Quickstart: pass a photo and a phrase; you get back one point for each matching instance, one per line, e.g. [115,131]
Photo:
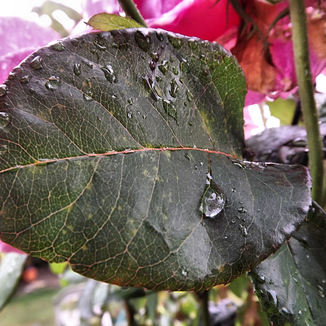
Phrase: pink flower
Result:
[206,19]
[5,248]
[19,38]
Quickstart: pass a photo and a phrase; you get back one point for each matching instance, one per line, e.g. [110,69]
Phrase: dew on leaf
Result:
[176,42]
[4,119]
[155,56]
[109,73]
[170,109]
[77,69]
[143,41]
[243,230]
[129,115]
[174,88]
[242,210]
[36,63]
[58,47]
[213,201]
[3,90]
[25,79]
[53,83]
[164,67]
[88,96]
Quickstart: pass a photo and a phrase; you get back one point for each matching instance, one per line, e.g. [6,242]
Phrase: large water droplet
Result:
[143,41]
[77,69]
[53,83]
[3,89]
[109,73]
[213,201]
[170,109]
[4,119]
[176,42]
[58,47]
[36,63]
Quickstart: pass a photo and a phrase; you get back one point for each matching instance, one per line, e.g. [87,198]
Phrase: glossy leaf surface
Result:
[119,155]
[292,282]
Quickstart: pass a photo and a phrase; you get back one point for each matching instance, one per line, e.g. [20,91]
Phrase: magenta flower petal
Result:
[206,19]
[19,38]
[5,248]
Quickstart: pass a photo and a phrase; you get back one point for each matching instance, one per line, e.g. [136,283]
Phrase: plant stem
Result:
[306,92]
[204,311]
[131,10]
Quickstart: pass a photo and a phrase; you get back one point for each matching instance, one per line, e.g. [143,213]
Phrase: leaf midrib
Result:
[126,151]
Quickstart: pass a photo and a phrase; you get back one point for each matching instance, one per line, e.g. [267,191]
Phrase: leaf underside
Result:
[292,283]
[106,143]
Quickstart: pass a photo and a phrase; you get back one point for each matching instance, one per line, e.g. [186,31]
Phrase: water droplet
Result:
[233,190]
[176,42]
[213,201]
[187,156]
[323,281]
[285,311]
[242,210]
[170,109]
[175,70]
[193,44]
[4,119]
[53,83]
[130,101]
[189,96]
[99,45]
[155,56]
[238,164]
[88,96]
[152,65]
[174,88]
[25,79]
[226,237]
[77,69]
[143,41]
[58,47]
[36,63]
[164,67]
[299,312]
[273,296]
[129,114]
[160,37]
[184,273]
[243,230]
[3,89]
[109,73]
[233,221]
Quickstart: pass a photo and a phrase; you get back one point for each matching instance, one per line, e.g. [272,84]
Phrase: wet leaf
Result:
[108,168]
[292,283]
[109,22]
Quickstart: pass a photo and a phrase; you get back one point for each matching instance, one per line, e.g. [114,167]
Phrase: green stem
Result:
[204,304]
[131,10]
[306,92]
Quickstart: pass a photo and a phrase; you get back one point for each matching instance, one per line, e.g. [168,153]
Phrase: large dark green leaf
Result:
[113,145]
[292,282]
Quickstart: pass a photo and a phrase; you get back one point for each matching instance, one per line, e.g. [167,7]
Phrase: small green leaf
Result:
[11,268]
[109,22]
[291,284]
[58,268]
[283,110]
